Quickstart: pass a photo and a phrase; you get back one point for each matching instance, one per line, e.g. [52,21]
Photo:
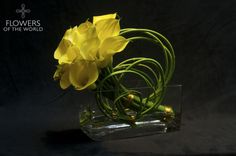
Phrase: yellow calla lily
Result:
[113,45]
[107,28]
[83,74]
[62,73]
[102,17]
[109,47]
[62,48]
[75,39]
[85,31]
[65,82]
[69,56]
[88,48]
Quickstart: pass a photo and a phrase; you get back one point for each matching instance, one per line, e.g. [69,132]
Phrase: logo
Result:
[23,10]
[23,25]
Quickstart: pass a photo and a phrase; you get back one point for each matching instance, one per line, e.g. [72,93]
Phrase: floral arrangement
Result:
[85,61]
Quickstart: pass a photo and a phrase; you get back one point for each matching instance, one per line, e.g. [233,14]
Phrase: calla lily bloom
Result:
[85,49]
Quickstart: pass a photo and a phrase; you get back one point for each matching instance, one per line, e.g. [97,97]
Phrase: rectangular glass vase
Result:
[99,127]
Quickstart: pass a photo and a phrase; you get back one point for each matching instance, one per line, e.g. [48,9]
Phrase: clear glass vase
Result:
[96,125]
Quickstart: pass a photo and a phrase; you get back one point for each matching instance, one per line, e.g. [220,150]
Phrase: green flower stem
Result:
[158,39]
[160,108]
[120,103]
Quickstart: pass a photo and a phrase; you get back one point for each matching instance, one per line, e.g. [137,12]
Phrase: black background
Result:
[38,118]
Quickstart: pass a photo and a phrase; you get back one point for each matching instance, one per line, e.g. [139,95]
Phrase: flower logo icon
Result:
[23,11]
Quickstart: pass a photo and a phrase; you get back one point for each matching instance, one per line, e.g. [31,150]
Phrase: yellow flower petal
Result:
[57,74]
[62,48]
[77,35]
[107,28]
[74,36]
[85,32]
[102,17]
[83,37]
[113,45]
[71,35]
[62,73]
[84,27]
[65,82]
[83,74]
[89,49]
[69,56]
[109,47]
